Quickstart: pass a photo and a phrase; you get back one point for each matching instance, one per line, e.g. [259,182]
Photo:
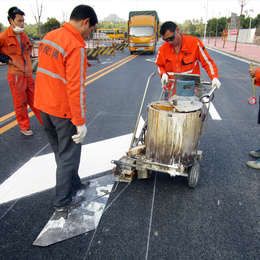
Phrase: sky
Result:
[168,10]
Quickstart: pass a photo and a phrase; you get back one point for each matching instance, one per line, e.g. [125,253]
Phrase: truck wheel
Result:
[193,175]
[131,52]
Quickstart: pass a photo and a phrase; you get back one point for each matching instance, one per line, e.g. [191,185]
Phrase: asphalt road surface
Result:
[156,218]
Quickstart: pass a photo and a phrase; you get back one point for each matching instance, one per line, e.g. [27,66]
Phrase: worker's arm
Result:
[76,68]
[159,62]
[206,62]
[256,74]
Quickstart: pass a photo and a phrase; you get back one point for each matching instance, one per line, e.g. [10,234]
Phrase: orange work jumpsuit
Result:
[257,83]
[19,75]
[60,96]
[186,61]
[58,92]
[257,77]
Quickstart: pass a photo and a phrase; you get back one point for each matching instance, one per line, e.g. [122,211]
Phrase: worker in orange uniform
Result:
[255,73]
[182,54]
[16,49]
[60,97]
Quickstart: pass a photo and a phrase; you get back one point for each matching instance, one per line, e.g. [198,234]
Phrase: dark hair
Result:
[171,26]
[82,12]
[13,11]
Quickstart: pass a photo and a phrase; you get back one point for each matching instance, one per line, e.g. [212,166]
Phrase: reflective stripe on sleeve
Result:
[51,74]
[206,59]
[56,46]
[184,72]
[82,80]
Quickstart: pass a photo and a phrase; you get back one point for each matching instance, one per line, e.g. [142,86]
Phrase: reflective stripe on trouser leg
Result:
[18,89]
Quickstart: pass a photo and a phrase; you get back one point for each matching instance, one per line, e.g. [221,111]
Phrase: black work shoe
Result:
[82,186]
[76,201]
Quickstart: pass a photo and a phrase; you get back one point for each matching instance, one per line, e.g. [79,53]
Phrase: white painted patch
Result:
[151,60]
[38,174]
[213,112]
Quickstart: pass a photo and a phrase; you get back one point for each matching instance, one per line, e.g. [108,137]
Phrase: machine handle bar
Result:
[140,111]
[207,95]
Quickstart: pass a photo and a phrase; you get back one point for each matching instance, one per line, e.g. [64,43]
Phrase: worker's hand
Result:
[216,82]
[253,71]
[81,133]
[164,80]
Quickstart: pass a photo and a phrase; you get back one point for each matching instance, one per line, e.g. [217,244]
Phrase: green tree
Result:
[222,24]
[256,21]
[51,24]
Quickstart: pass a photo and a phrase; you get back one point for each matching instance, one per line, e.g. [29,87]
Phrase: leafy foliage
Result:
[112,24]
[193,27]
[51,24]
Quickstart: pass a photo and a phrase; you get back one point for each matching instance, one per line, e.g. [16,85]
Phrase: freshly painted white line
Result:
[213,112]
[151,60]
[38,174]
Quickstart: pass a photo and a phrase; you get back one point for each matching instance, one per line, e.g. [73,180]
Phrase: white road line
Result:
[213,112]
[151,218]
[38,174]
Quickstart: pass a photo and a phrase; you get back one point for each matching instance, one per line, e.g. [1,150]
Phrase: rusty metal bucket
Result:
[172,136]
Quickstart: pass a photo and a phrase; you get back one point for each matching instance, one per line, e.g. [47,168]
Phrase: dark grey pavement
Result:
[161,217]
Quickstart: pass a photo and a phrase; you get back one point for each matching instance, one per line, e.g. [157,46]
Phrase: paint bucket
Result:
[172,136]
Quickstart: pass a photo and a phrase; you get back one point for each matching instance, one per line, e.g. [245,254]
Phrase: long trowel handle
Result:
[252,100]
[140,111]
[251,66]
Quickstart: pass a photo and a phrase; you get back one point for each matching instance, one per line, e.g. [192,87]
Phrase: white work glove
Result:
[164,80]
[81,133]
[216,82]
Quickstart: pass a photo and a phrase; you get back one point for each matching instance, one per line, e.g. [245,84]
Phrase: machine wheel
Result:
[193,175]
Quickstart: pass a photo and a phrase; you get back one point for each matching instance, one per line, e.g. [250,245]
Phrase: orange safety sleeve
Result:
[160,62]
[257,77]
[75,75]
[206,62]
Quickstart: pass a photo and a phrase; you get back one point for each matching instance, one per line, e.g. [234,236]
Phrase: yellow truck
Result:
[143,31]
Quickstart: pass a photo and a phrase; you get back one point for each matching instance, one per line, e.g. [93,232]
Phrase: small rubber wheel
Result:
[193,175]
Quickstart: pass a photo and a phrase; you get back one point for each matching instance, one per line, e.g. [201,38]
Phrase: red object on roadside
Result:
[252,101]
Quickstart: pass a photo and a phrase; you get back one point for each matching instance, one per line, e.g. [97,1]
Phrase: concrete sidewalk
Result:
[246,51]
